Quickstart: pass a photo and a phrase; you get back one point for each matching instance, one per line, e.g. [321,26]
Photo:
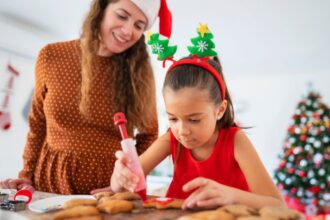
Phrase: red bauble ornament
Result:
[316,115]
[280,186]
[293,190]
[291,170]
[302,173]
[314,189]
[282,164]
[303,137]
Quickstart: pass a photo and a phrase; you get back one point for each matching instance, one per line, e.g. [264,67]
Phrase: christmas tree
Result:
[161,47]
[203,44]
[304,170]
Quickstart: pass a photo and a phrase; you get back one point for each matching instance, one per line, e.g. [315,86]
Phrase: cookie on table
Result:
[121,196]
[280,213]
[163,203]
[115,206]
[79,202]
[91,217]
[126,196]
[100,195]
[77,212]
[251,217]
[208,215]
[239,210]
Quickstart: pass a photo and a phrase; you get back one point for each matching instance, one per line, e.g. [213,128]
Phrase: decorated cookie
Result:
[115,206]
[163,203]
[79,202]
[280,213]
[77,212]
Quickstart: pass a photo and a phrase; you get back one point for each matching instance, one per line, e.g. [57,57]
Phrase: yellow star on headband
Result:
[148,35]
[203,29]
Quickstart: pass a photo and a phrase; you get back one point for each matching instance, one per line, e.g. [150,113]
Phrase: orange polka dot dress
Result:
[67,152]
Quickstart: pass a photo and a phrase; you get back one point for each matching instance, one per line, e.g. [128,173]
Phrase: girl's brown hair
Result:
[194,76]
[133,88]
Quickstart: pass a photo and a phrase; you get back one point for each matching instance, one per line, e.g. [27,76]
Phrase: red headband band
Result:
[201,62]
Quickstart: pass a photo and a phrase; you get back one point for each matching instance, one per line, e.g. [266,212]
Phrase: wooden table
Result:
[139,213]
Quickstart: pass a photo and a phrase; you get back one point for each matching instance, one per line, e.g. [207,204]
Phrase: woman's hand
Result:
[207,194]
[17,184]
[122,177]
[105,189]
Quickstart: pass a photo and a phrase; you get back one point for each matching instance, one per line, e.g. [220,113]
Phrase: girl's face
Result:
[193,117]
[122,26]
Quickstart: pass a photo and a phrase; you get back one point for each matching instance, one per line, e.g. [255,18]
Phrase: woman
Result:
[80,84]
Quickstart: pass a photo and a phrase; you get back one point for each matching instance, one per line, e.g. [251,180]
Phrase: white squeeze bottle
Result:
[128,147]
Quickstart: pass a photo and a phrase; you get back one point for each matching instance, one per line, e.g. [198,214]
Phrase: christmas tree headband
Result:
[202,50]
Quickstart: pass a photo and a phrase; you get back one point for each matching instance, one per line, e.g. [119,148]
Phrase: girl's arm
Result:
[123,179]
[156,153]
[263,190]
[211,194]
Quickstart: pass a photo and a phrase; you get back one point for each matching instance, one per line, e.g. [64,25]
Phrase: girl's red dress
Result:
[221,165]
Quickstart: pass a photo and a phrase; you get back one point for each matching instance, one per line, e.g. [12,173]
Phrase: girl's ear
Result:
[221,109]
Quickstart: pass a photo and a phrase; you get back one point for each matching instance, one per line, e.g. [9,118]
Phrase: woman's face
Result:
[122,26]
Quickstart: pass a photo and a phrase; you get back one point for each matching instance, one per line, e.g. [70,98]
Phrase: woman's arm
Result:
[37,120]
[263,190]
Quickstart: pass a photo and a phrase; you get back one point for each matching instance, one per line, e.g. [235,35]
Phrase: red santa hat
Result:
[156,8]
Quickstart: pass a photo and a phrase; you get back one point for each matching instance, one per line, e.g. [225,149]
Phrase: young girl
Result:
[215,163]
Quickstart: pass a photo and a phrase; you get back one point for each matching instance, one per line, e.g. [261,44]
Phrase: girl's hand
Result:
[17,184]
[207,194]
[122,177]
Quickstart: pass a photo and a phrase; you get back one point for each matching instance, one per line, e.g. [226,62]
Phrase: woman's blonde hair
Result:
[133,88]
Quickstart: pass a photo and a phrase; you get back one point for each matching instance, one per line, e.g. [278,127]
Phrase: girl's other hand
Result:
[17,184]
[122,177]
[207,194]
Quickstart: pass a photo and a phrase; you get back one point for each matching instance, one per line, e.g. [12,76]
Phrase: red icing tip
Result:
[143,194]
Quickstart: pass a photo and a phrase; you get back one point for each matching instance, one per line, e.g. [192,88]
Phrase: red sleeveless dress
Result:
[221,165]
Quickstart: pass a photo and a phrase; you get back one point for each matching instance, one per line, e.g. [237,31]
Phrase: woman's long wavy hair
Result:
[133,88]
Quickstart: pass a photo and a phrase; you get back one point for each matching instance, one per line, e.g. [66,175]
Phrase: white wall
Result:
[12,141]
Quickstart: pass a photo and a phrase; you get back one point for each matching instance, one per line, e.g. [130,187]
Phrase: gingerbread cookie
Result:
[280,213]
[251,217]
[121,196]
[115,206]
[78,202]
[92,217]
[77,212]
[239,210]
[100,195]
[126,196]
[208,215]
[163,203]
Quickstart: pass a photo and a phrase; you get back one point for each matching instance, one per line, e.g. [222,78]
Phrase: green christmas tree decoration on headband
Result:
[201,51]
[160,47]
[203,44]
